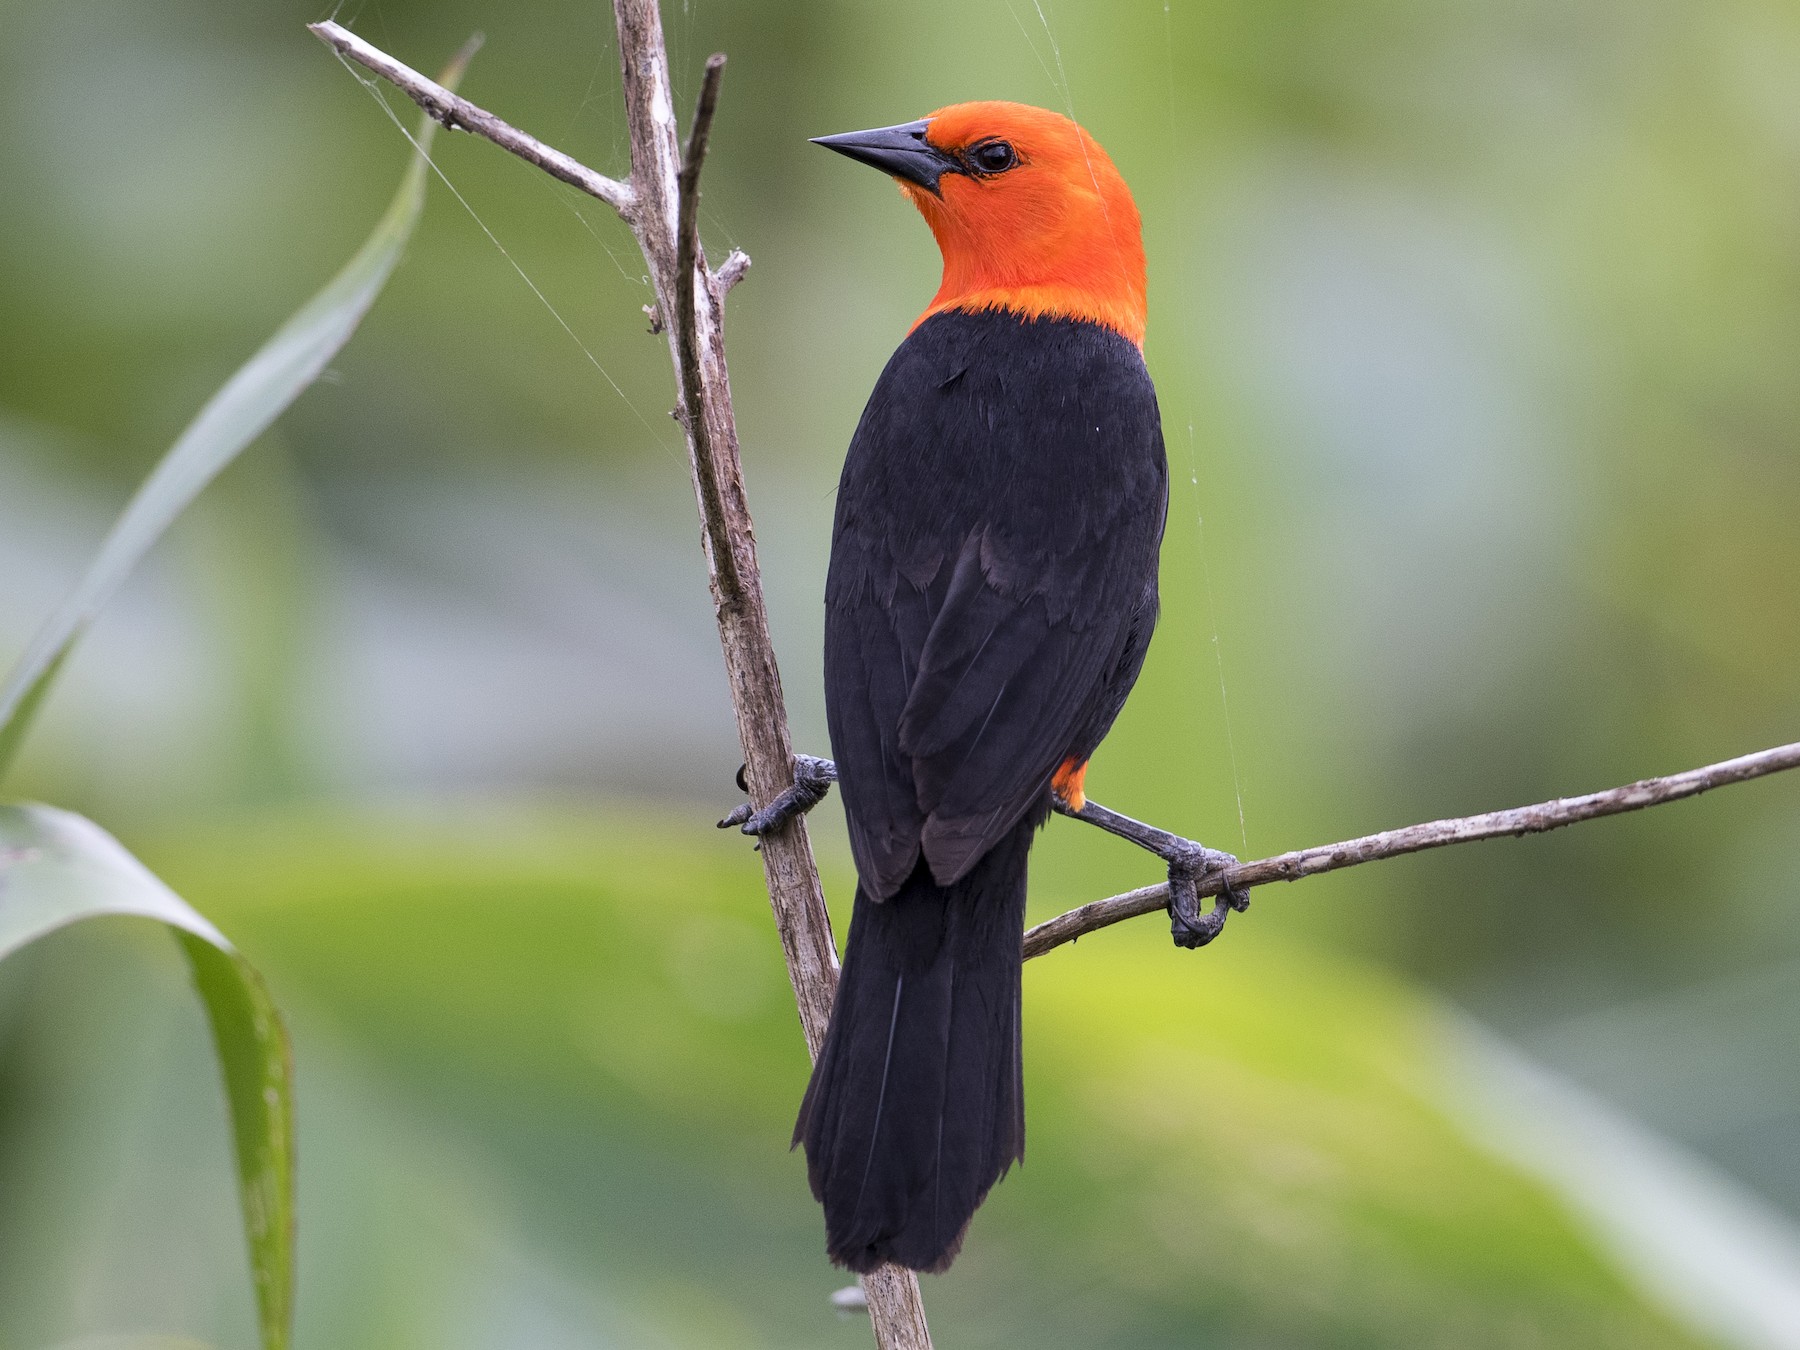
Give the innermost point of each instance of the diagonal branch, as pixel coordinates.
(458, 114)
(1521, 820)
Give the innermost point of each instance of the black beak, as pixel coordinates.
(901, 151)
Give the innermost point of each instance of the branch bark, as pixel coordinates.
(1521, 820)
(661, 204)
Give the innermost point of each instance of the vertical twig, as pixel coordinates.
(666, 188)
(661, 205)
(696, 344)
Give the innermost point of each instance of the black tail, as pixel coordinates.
(916, 1106)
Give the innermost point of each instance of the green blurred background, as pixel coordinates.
(1477, 332)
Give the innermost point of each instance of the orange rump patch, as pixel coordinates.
(1070, 783)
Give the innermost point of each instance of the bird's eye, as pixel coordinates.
(992, 157)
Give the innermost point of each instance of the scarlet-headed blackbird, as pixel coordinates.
(991, 595)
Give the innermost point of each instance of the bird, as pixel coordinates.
(990, 597)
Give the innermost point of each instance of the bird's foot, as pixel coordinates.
(813, 778)
(1190, 863)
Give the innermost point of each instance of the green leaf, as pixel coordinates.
(242, 410)
(56, 869)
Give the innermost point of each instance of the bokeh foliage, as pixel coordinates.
(576, 1038)
(1474, 328)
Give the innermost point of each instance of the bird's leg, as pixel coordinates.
(813, 778)
(1189, 862)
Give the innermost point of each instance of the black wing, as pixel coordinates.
(993, 580)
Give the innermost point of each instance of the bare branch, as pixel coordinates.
(458, 114)
(661, 204)
(1522, 820)
(731, 271)
(667, 187)
(896, 1309)
(687, 242)
(709, 469)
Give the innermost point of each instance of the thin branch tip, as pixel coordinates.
(700, 134)
(458, 114)
(732, 270)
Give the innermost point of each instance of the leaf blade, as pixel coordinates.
(244, 407)
(256, 1063)
(59, 869)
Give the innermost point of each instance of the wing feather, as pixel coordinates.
(993, 581)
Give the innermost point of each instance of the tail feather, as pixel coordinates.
(916, 1106)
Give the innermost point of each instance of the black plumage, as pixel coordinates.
(991, 595)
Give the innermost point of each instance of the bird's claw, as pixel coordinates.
(813, 778)
(1189, 864)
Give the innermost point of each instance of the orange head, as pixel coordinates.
(1028, 211)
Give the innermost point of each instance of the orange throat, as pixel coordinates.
(1056, 237)
(1006, 259)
